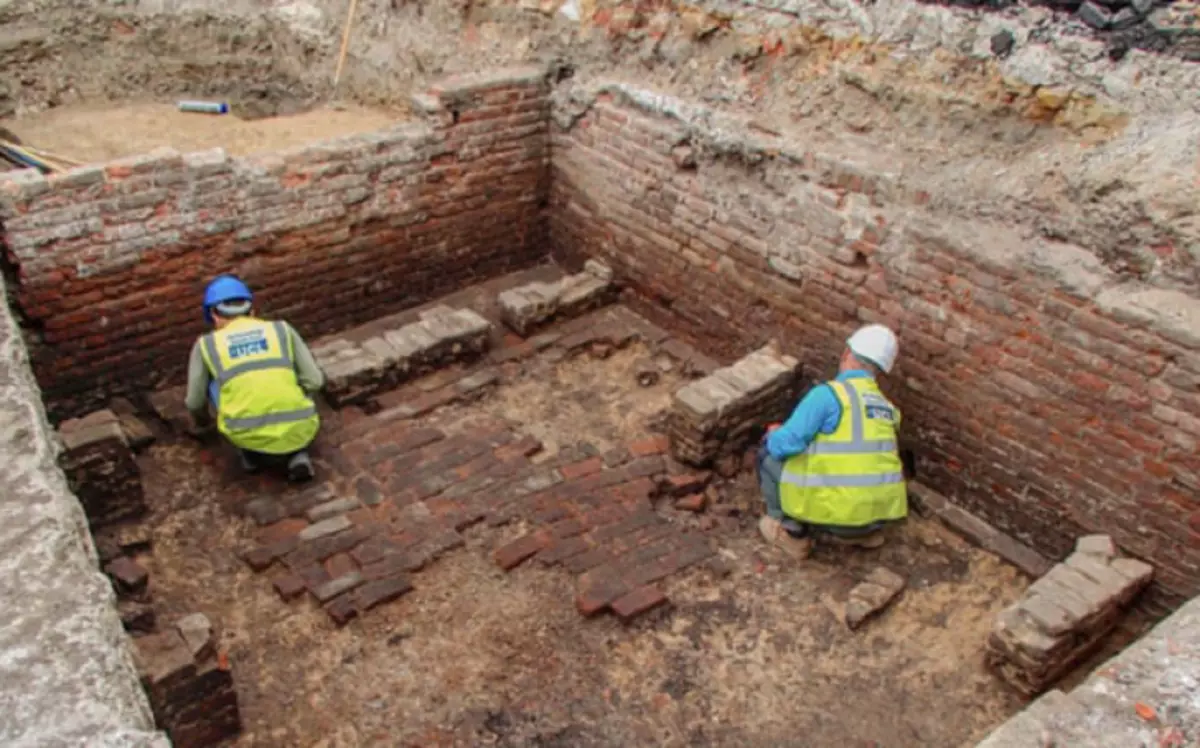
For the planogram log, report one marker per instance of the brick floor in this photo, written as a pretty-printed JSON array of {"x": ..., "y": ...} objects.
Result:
[{"x": 395, "y": 494}]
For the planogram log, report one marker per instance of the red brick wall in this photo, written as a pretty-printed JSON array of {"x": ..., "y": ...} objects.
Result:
[
  {"x": 112, "y": 260},
  {"x": 1039, "y": 391}
]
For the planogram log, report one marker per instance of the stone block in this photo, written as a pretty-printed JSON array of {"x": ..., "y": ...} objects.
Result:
[
  {"x": 1064, "y": 615},
  {"x": 722, "y": 413},
  {"x": 191, "y": 694},
  {"x": 527, "y": 307},
  {"x": 137, "y": 433},
  {"x": 101, "y": 469},
  {"x": 356, "y": 371}
]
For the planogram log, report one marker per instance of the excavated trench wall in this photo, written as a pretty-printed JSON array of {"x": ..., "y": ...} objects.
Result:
[
  {"x": 1039, "y": 390},
  {"x": 112, "y": 259}
]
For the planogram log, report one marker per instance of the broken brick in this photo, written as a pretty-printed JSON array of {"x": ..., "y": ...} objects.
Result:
[
  {"x": 683, "y": 484},
  {"x": 642, "y": 600},
  {"x": 129, "y": 576},
  {"x": 693, "y": 503},
  {"x": 652, "y": 445},
  {"x": 598, "y": 589},
  {"x": 289, "y": 586},
  {"x": 512, "y": 554},
  {"x": 580, "y": 469}
]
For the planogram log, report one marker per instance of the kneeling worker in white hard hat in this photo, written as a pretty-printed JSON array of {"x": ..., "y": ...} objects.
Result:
[{"x": 834, "y": 468}]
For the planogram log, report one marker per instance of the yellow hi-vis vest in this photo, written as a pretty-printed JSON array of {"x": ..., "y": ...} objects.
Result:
[
  {"x": 852, "y": 477},
  {"x": 261, "y": 406}
]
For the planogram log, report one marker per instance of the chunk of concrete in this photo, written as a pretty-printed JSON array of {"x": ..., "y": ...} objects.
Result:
[{"x": 872, "y": 595}]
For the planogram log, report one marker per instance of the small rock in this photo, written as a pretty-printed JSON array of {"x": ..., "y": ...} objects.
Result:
[
  {"x": 197, "y": 631},
  {"x": 646, "y": 372},
  {"x": 872, "y": 595},
  {"x": 1125, "y": 18},
  {"x": 129, "y": 576},
  {"x": 1002, "y": 43},
  {"x": 1095, "y": 16}
]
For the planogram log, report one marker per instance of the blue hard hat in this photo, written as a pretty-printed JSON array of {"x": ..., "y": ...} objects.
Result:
[{"x": 224, "y": 288}]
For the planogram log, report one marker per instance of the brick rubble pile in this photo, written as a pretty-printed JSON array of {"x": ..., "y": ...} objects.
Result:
[
  {"x": 1064, "y": 615},
  {"x": 719, "y": 414},
  {"x": 100, "y": 468},
  {"x": 526, "y": 307},
  {"x": 356, "y": 370}
]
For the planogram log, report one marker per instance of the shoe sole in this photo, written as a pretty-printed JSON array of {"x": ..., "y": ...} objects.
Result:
[{"x": 300, "y": 474}]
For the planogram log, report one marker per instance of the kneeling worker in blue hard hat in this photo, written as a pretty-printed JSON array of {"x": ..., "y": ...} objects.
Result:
[
  {"x": 259, "y": 376},
  {"x": 834, "y": 468}
]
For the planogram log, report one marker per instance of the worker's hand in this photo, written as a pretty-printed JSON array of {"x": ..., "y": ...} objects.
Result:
[{"x": 770, "y": 427}]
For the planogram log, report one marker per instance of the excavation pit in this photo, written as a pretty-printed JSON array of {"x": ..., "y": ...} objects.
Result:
[
  {"x": 1049, "y": 378},
  {"x": 475, "y": 654}
]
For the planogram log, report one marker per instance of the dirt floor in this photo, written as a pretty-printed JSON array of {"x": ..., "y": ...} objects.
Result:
[
  {"x": 475, "y": 656},
  {"x": 101, "y": 132}
]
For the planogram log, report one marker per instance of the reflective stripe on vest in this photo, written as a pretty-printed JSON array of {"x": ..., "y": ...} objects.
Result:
[
  {"x": 223, "y": 374},
  {"x": 858, "y": 444},
  {"x": 270, "y": 419}
]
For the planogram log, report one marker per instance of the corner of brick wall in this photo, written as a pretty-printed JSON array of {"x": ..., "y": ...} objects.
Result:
[
  {"x": 1039, "y": 390},
  {"x": 111, "y": 259}
]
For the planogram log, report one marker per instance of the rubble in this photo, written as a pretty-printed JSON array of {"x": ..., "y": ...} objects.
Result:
[
  {"x": 525, "y": 308},
  {"x": 720, "y": 414},
  {"x": 356, "y": 370},
  {"x": 191, "y": 693},
  {"x": 100, "y": 468},
  {"x": 1064, "y": 615}
]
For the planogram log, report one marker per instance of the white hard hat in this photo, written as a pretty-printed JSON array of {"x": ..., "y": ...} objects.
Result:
[{"x": 875, "y": 343}]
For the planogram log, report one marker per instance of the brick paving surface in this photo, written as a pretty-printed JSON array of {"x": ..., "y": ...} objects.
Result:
[{"x": 394, "y": 494}]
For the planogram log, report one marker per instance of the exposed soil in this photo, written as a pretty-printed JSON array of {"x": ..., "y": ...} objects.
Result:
[
  {"x": 475, "y": 656},
  {"x": 100, "y": 132}
]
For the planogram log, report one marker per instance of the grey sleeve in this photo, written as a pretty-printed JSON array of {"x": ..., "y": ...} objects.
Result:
[
  {"x": 309, "y": 375},
  {"x": 197, "y": 381}
]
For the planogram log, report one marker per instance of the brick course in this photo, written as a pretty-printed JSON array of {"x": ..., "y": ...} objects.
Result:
[
  {"x": 112, "y": 259},
  {"x": 1039, "y": 389}
]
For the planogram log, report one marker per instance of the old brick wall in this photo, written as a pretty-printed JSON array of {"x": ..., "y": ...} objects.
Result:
[
  {"x": 1039, "y": 390},
  {"x": 112, "y": 260}
]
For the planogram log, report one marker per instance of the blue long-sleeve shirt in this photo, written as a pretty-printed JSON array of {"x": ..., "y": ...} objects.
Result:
[{"x": 818, "y": 413}]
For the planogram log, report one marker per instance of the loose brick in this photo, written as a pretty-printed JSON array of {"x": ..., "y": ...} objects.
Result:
[
  {"x": 340, "y": 564},
  {"x": 337, "y": 586},
  {"x": 381, "y": 591},
  {"x": 266, "y": 511},
  {"x": 640, "y": 601},
  {"x": 129, "y": 576},
  {"x": 324, "y": 528},
  {"x": 563, "y": 549},
  {"x": 598, "y": 589},
  {"x": 693, "y": 503},
  {"x": 289, "y": 586},
  {"x": 514, "y": 553},
  {"x": 282, "y": 531},
  {"x": 580, "y": 469},
  {"x": 651, "y": 445},
  {"x": 367, "y": 490},
  {"x": 331, "y": 509},
  {"x": 342, "y": 609}
]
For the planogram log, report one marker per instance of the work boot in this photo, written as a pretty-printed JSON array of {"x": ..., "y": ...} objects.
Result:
[
  {"x": 869, "y": 541},
  {"x": 300, "y": 468},
  {"x": 775, "y": 534},
  {"x": 248, "y": 464}
]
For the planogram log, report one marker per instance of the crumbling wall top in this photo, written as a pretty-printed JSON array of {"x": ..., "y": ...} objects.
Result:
[{"x": 66, "y": 674}]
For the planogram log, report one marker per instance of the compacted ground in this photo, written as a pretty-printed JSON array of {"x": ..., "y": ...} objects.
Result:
[
  {"x": 749, "y": 651},
  {"x": 101, "y": 132}
]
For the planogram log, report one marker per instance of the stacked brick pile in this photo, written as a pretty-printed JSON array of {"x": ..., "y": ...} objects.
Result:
[
  {"x": 720, "y": 413},
  {"x": 190, "y": 688},
  {"x": 357, "y": 369},
  {"x": 526, "y": 307},
  {"x": 1064, "y": 615},
  {"x": 101, "y": 469}
]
